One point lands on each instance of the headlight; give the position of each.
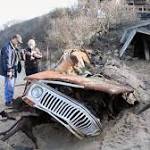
(37, 92)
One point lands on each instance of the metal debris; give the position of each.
(91, 83)
(70, 113)
(66, 110)
(62, 83)
(73, 61)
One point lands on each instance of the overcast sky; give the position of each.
(26, 9)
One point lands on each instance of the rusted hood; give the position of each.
(92, 83)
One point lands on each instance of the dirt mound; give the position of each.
(5, 146)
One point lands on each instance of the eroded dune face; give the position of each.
(131, 131)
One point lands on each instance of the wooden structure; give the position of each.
(139, 37)
(141, 6)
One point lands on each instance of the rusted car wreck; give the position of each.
(50, 91)
(71, 95)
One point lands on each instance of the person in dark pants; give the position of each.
(9, 57)
(32, 57)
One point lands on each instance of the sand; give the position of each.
(127, 132)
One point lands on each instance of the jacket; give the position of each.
(8, 60)
(30, 60)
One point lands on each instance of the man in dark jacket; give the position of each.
(9, 61)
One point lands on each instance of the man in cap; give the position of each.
(9, 65)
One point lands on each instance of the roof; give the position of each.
(90, 83)
(129, 34)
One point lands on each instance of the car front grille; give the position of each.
(73, 115)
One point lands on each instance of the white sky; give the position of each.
(26, 9)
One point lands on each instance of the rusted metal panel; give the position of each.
(92, 83)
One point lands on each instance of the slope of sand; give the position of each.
(127, 132)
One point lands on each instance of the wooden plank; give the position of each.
(144, 31)
(140, 25)
(130, 37)
(146, 50)
(123, 38)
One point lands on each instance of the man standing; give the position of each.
(9, 65)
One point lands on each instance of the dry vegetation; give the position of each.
(75, 27)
